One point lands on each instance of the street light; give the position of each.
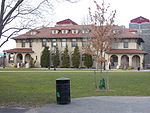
(49, 58)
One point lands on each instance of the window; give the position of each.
(30, 43)
(75, 31)
(115, 45)
(33, 32)
(125, 44)
(23, 43)
(54, 31)
(85, 31)
(63, 42)
(64, 31)
(84, 41)
(43, 42)
(74, 42)
(53, 43)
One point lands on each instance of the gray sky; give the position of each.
(126, 10)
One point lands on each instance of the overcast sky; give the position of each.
(126, 10)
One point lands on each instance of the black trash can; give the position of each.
(63, 91)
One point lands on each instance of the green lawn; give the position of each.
(38, 88)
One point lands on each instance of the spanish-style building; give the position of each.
(126, 50)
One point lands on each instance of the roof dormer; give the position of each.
(75, 31)
(55, 31)
(85, 31)
(33, 32)
(64, 31)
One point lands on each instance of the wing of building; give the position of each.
(142, 25)
(126, 50)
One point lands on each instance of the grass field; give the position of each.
(38, 88)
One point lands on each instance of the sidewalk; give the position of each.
(102, 104)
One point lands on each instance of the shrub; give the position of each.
(15, 65)
(45, 57)
(32, 63)
(76, 57)
(65, 58)
(121, 67)
(88, 61)
(130, 67)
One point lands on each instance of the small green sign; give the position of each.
(57, 94)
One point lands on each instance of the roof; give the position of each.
(19, 50)
(121, 51)
(139, 20)
(46, 32)
(128, 33)
(66, 21)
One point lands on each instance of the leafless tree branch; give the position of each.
(22, 14)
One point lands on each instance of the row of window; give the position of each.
(73, 43)
(53, 42)
(116, 45)
(75, 31)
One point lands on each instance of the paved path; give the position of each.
(13, 110)
(101, 104)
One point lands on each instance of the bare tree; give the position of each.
(17, 15)
(103, 35)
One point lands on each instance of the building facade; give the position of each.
(126, 50)
(143, 27)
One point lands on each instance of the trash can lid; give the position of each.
(63, 79)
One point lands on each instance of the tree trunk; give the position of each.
(101, 74)
(107, 80)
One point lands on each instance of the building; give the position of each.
(143, 27)
(126, 50)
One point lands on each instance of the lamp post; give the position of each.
(49, 59)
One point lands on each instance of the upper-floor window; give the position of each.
(84, 41)
(74, 42)
(126, 44)
(23, 42)
(53, 43)
(65, 31)
(55, 31)
(85, 31)
(63, 42)
(44, 42)
(115, 45)
(33, 32)
(30, 43)
(75, 31)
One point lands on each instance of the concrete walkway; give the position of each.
(101, 104)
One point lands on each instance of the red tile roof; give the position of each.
(67, 21)
(46, 32)
(127, 51)
(139, 20)
(21, 50)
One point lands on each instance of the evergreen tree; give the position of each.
(76, 57)
(55, 58)
(88, 61)
(65, 58)
(45, 58)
